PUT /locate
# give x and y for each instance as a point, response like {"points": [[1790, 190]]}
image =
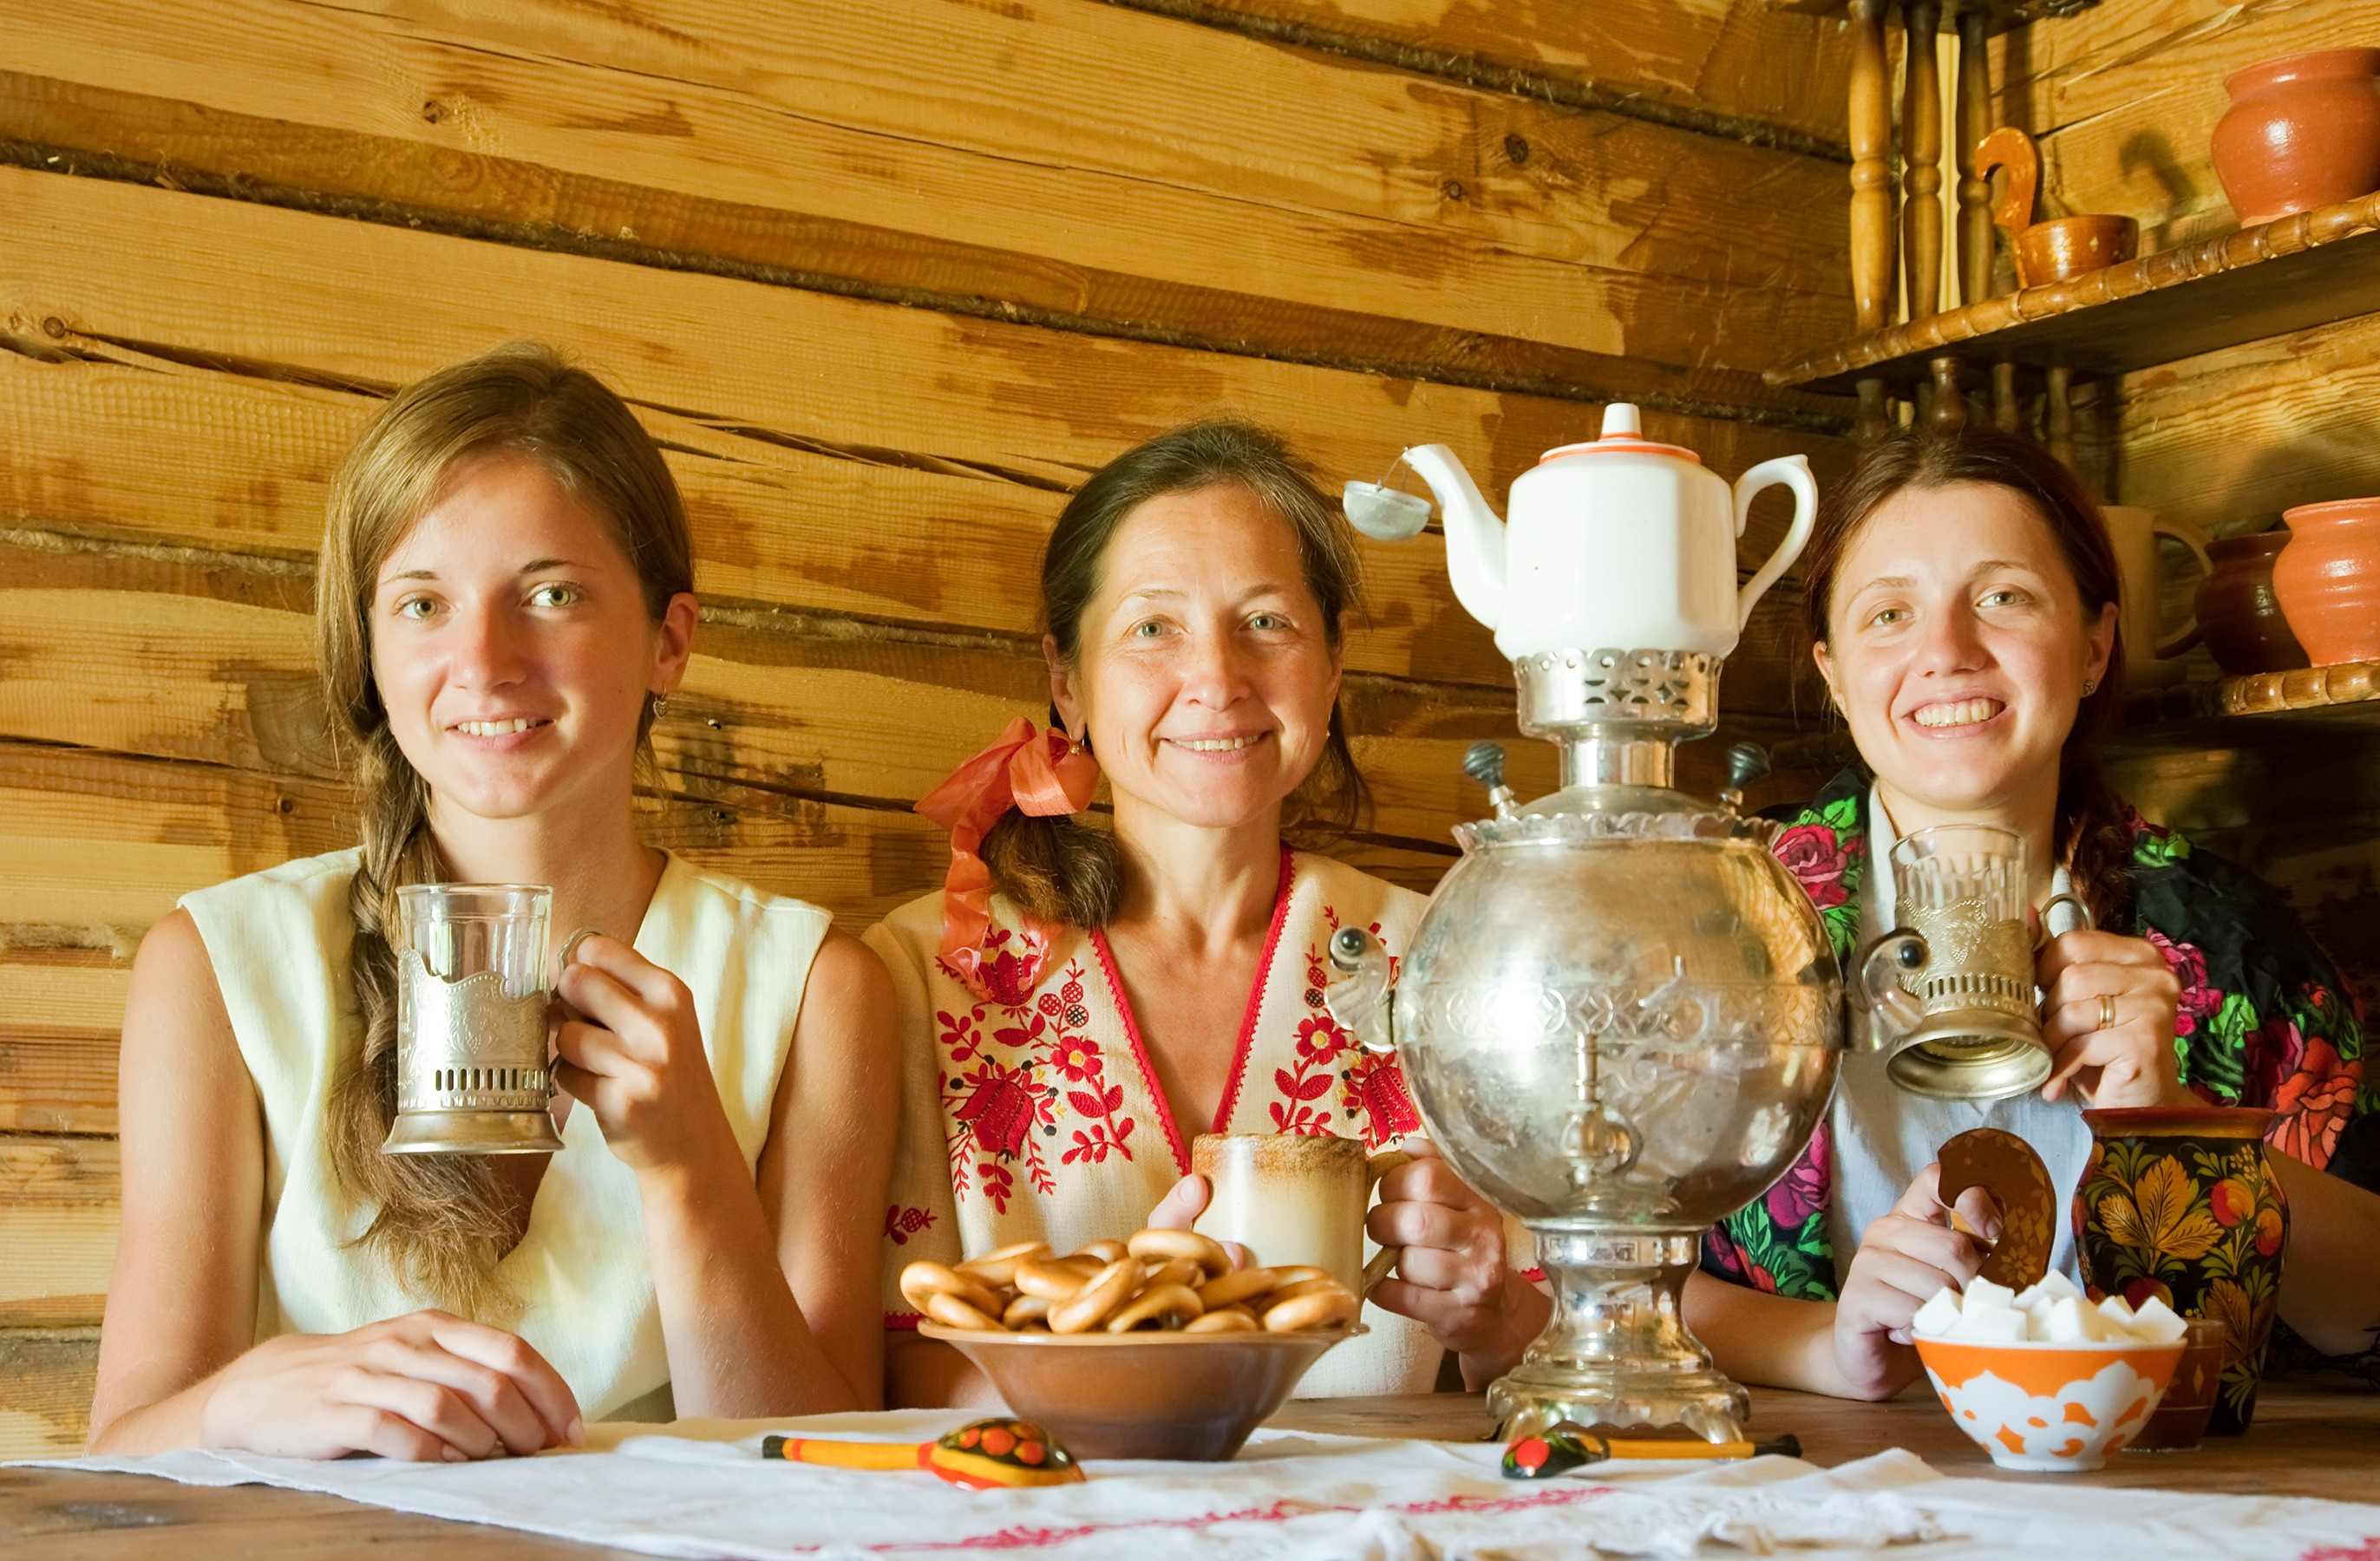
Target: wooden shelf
{"points": [[2006, 15], [2301, 271], [2198, 714]]}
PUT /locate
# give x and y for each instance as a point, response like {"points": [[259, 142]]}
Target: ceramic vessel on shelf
{"points": [[2237, 613], [1620, 1016], [2328, 580], [2149, 657], [2059, 248], [2180, 1204], [2302, 131]]}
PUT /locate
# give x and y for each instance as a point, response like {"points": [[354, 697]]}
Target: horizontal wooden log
{"points": [[45, 1403], [148, 450], [1736, 68], [2125, 99], [1213, 161], [2230, 438], [60, 1010], [58, 1204]]}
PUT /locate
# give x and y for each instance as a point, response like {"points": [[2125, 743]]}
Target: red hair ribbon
{"points": [[1037, 772]]}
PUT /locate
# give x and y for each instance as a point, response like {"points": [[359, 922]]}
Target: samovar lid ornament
{"points": [[1620, 1015]]}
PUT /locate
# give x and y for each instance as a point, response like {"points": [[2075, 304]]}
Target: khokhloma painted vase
{"points": [[2179, 1202]]}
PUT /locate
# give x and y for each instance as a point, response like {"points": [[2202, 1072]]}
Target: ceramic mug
{"points": [[1294, 1198], [2148, 655], [2179, 1202]]}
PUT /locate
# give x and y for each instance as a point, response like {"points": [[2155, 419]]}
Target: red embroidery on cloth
{"points": [[1007, 1101], [1372, 1095], [1283, 891], [898, 1321], [1288, 1509], [2368, 1551], [1140, 1052], [900, 1223]]}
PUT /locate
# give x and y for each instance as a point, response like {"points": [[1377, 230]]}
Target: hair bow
{"points": [[1037, 772]]}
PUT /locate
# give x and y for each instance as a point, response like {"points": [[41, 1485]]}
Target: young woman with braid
{"points": [[504, 600]]}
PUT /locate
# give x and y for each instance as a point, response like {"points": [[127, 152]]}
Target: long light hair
{"points": [[441, 1222]]}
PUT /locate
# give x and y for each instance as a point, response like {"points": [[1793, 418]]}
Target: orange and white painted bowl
{"points": [[2055, 1407]]}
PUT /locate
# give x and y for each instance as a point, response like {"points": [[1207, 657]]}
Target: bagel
{"points": [[998, 1269], [1163, 1246], [1228, 1320], [1302, 1287], [1243, 1284], [953, 1313], [1166, 1305], [1027, 1309], [1053, 1279], [1297, 1272], [924, 1278], [1316, 1309], [1174, 1271], [1105, 1251], [1088, 1308]]}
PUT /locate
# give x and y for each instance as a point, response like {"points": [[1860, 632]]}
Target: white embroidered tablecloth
{"points": [[698, 1489]]}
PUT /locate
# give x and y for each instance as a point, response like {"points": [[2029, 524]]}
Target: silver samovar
{"points": [[1620, 1016]]}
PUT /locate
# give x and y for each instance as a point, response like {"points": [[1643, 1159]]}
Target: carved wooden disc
{"points": [[2006, 1167]]}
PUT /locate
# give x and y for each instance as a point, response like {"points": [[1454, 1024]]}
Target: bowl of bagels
{"points": [[1156, 1347]]}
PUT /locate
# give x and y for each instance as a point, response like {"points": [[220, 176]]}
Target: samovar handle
{"points": [[1362, 1001], [1877, 985]]}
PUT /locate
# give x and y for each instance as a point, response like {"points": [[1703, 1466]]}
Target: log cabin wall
{"points": [[2123, 99], [886, 279]]}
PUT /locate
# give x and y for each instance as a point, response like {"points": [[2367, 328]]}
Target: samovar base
{"points": [[472, 1133], [1616, 1352]]}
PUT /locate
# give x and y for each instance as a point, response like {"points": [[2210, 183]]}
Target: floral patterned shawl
{"points": [[2265, 1020], [1030, 1112]]}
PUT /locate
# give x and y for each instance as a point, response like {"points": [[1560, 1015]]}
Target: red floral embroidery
{"points": [[1814, 854], [1319, 1044], [1003, 1105], [2314, 1102], [1373, 1092], [900, 1223], [2199, 1001], [1009, 969]]}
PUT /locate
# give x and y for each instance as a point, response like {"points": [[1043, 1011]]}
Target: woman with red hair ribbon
{"points": [[1078, 1003]]}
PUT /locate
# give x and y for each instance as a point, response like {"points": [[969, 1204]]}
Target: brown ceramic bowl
{"points": [[1143, 1394]]}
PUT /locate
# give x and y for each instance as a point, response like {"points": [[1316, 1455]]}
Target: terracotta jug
{"points": [[2149, 656], [2302, 131], [2179, 1202], [2237, 613], [2328, 580]]}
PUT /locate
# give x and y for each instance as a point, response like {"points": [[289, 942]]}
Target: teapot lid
{"points": [[1622, 435]]}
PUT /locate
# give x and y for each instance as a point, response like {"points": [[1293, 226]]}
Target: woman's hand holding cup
{"points": [[629, 1045], [2110, 1009], [1454, 1278]]}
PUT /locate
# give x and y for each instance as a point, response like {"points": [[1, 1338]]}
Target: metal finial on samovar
{"points": [[1620, 1016]]}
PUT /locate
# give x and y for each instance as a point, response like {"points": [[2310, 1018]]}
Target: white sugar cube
{"points": [[2155, 1322], [2072, 1322], [2026, 1297], [1985, 1295], [1937, 1316], [1990, 1325], [2117, 1312], [2054, 1284]]}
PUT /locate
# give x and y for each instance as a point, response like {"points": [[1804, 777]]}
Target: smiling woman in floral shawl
{"points": [[1962, 594]]}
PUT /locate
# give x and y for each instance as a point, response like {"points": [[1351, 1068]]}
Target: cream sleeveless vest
{"points": [[279, 941]]}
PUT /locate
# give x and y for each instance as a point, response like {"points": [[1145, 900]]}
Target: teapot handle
{"points": [[1792, 471]]}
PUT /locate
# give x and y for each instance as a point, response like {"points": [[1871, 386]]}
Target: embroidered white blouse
{"points": [[1030, 1111]]}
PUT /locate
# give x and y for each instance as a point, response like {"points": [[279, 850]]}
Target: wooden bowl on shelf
{"points": [[1193, 1397]]}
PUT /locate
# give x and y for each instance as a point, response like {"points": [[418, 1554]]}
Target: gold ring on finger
{"points": [[2106, 1011]]}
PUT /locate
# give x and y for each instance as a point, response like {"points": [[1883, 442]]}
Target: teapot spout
{"points": [[1474, 537]]}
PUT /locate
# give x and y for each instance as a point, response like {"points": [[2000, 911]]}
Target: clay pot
{"points": [[2302, 131], [2238, 615], [2327, 579], [2180, 1204], [2064, 248]]}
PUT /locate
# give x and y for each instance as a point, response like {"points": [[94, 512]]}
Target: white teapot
{"points": [[1619, 543]]}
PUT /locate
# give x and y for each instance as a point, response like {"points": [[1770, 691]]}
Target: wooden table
{"points": [[2310, 1440]]}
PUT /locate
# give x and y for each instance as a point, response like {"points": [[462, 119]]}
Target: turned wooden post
{"points": [[2057, 415], [1921, 151], [1950, 402], [1870, 135], [2007, 413], [1973, 119]]}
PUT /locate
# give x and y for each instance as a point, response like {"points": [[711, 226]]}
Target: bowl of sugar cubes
{"points": [[2042, 1379]]}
